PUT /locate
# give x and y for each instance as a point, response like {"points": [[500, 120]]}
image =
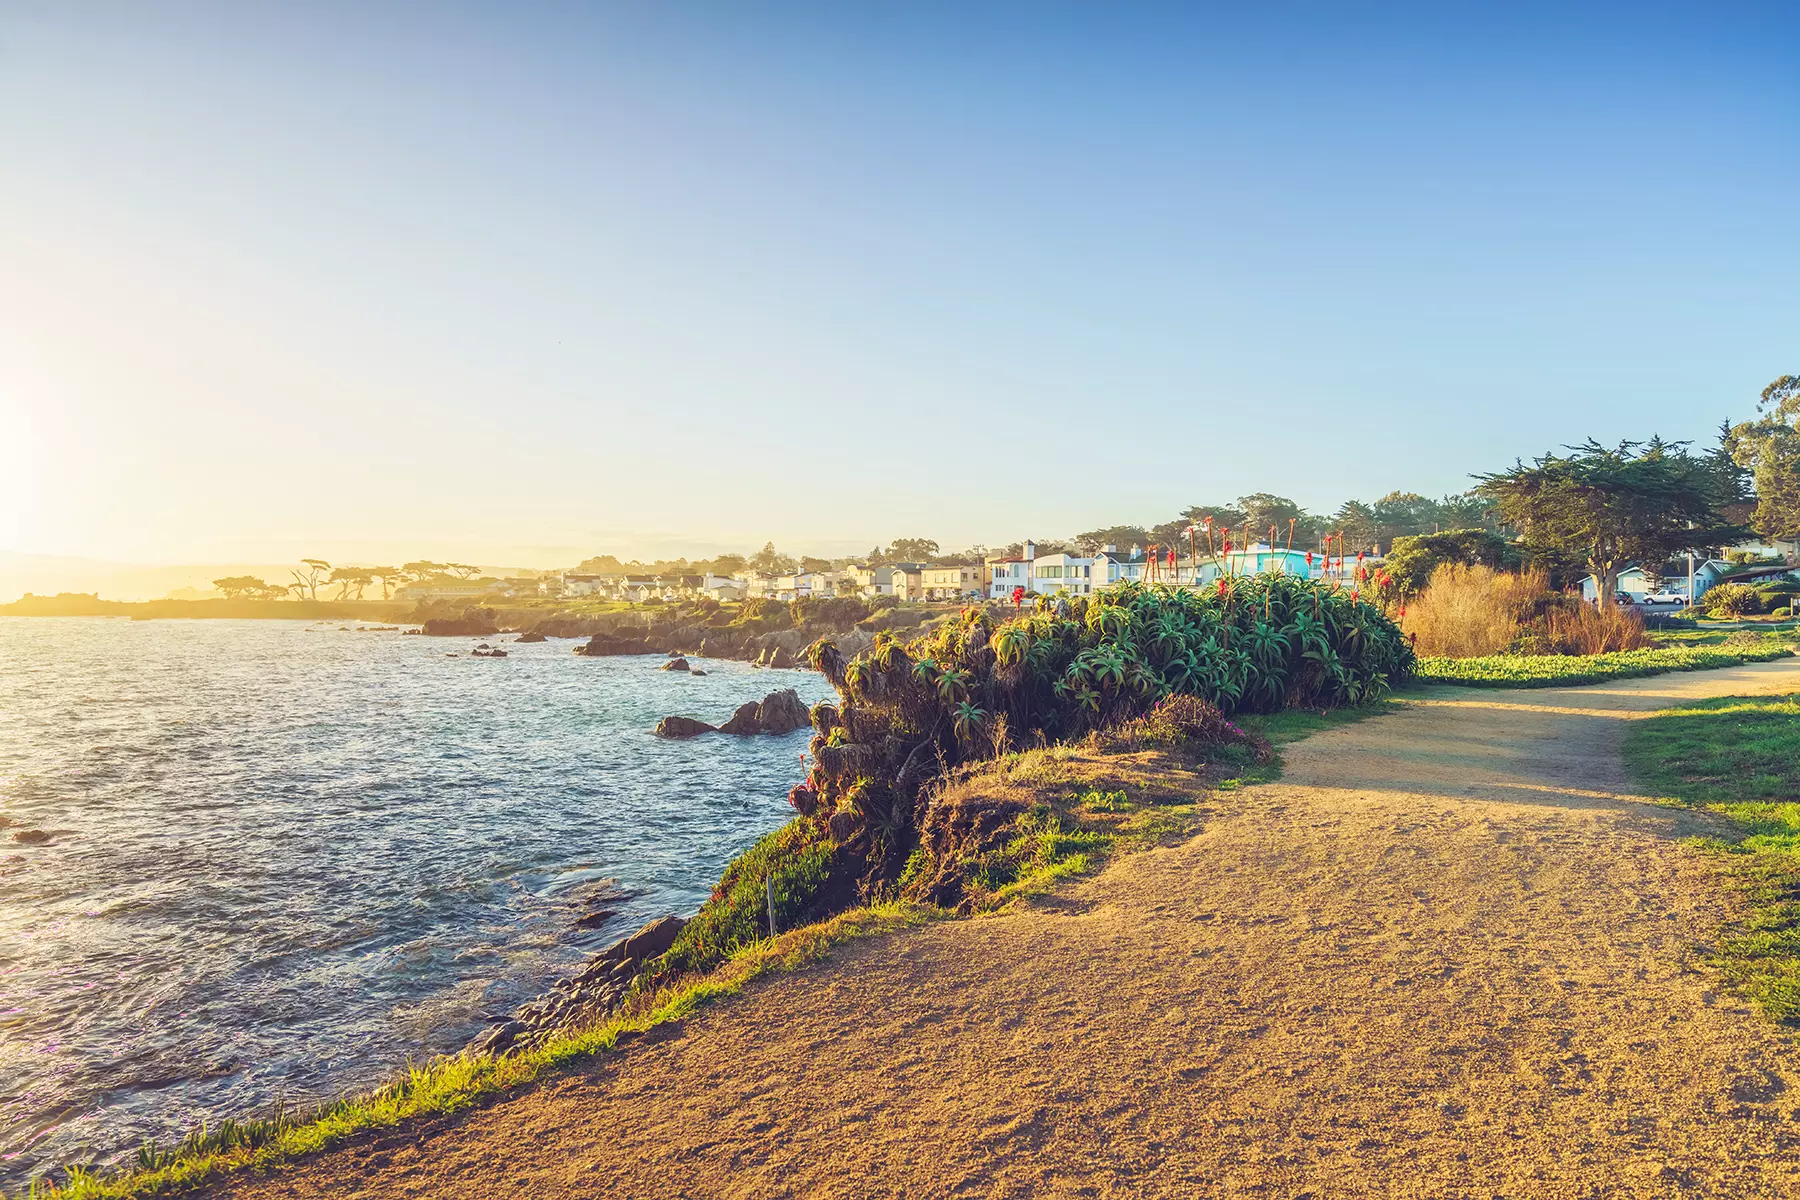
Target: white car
{"points": [[1666, 598]]}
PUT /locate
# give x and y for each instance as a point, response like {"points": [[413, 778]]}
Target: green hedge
{"points": [[1557, 670]]}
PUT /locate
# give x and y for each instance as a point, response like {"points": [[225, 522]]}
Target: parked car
{"points": [[1666, 597]]}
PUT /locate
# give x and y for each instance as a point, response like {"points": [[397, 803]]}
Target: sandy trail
{"points": [[1448, 955]]}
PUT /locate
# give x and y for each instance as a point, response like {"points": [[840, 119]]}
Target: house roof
{"points": [[1758, 572]]}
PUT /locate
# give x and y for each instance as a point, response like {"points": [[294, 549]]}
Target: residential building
{"points": [[951, 583], [871, 581], [907, 581], [1708, 574], [1113, 566], [591, 585], [1004, 576], [723, 588], [1260, 557], [1056, 573]]}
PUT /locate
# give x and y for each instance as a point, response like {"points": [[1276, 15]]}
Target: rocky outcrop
{"points": [[682, 727], [778, 712], [604, 644], [744, 720], [474, 622], [676, 664], [585, 998], [31, 837], [530, 635], [783, 648]]}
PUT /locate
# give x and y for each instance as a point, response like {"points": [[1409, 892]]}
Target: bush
{"points": [[1583, 628], [1411, 561], [764, 615], [1732, 600], [973, 688], [827, 614], [1186, 722], [1472, 612], [798, 856], [1468, 611]]}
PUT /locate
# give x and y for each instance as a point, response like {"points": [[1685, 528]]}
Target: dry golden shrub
{"points": [[1471, 611], [1583, 629], [1466, 612]]}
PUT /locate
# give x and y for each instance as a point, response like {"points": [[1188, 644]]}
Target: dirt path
{"points": [[1447, 956]]}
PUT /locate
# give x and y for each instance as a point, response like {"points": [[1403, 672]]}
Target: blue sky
{"points": [[523, 283]]}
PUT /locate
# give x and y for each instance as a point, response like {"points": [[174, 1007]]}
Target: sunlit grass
{"points": [[1740, 757]]}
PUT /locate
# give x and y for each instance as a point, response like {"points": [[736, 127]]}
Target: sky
{"points": [[524, 283]]}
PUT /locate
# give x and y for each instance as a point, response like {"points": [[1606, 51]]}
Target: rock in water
{"points": [[745, 720], [682, 727], [778, 712], [782, 712], [648, 942], [675, 664], [31, 837], [530, 635], [475, 622]]}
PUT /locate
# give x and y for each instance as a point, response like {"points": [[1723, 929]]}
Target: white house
{"points": [[1002, 576], [1055, 573]]}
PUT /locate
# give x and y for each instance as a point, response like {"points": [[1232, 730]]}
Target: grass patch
{"points": [[1740, 757], [1558, 670]]}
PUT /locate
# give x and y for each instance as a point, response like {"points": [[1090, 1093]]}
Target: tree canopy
{"points": [[1769, 449], [1639, 502], [911, 549]]}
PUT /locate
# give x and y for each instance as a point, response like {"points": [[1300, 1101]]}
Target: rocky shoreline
{"points": [[584, 998], [607, 636]]}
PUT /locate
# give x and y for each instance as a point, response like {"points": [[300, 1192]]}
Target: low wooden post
{"points": [[769, 891]]}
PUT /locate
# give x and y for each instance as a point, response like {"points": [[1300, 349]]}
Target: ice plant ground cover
{"points": [[1557, 670]]}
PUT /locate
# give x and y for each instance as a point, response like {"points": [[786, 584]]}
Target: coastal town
{"points": [[1030, 574]]}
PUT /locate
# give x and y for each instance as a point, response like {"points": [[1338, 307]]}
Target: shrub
{"points": [[1472, 612], [1185, 721], [1469, 611], [1582, 628], [1411, 561], [973, 688], [1732, 600], [799, 857], [827, 614], [764, 615]]}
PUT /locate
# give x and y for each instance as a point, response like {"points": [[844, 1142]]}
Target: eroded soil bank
{"points": [[1448, 955]]}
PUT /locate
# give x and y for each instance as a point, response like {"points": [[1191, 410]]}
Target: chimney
{"points": [[1030, 550], [1110, 548]]}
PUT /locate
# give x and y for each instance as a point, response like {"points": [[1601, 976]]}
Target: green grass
{"points": [[454, 1083], [1740, 757], [1559, 670]]}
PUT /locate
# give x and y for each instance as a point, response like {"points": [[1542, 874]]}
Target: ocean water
{"points": [[284, 859]]}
